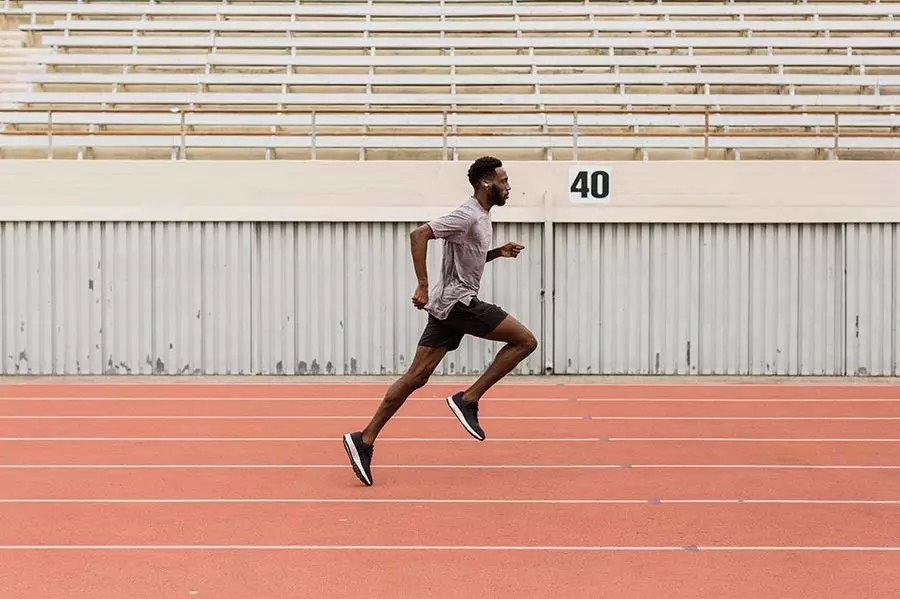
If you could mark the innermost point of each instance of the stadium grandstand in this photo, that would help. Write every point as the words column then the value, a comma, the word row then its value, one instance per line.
column 450, row 79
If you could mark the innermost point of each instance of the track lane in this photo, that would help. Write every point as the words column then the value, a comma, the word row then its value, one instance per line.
column 339, row 482
column 450, row 524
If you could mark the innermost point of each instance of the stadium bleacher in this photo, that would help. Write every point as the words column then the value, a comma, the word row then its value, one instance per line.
column 454, row 78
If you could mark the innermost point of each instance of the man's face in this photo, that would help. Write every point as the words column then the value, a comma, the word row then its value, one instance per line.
column 498, row 191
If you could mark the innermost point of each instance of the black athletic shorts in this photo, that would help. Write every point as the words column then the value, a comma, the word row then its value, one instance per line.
column 478, row 319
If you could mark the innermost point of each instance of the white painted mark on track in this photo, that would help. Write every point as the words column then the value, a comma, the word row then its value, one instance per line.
column 446, row 466
column 265, row 500
column 536, row 548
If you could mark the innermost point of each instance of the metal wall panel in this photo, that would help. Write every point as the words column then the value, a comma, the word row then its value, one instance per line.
column 774, row 299
column 321, row 298
column 625, row 258
column 576, row 315
column 373, row 260
column 724, row 314
column 602, row 306
column 821, row 304
column 870, row 299
column 720, row 299
column 674, row 299
column 77, row 298
column 895, row 302
column 226, row 345
column 27, row 298
column 127, row 291
column 334, row 298
column 275, row 309
column 178, row 298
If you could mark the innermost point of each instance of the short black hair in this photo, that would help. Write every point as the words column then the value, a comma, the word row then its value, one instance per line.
column 481, row 167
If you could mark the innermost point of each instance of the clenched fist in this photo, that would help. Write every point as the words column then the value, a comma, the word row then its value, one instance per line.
column 511, row 249
column 420, row 297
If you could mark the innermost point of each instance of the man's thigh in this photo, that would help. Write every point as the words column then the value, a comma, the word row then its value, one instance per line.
column 479, row 319
column 440, row 334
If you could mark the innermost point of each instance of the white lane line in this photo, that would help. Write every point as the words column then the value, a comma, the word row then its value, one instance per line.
column 298, row 439
column 446, row 466
column 360, row 417
column 302, row 500
column 330, row 548
column 795, row 548
column 291, row 439
column 554, row 548
column 486, row 399
column 259, row 399
column 753, row 439
column 444, row 439
column 538, row 418
column 750, row 418
column 737, row 400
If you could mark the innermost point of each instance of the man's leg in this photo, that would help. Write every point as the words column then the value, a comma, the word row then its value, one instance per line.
column 423, row 366
column 361, row 445
column 520, row 343
column 437, row 339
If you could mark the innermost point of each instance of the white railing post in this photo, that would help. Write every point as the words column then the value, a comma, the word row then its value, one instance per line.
column 312, row 134
column 50, row 135
column 575, row 135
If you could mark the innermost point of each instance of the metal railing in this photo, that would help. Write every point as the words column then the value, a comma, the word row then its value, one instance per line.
column 182, row 130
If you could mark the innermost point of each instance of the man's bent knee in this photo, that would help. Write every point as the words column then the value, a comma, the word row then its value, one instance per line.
column 526, row 342
column 529, row 343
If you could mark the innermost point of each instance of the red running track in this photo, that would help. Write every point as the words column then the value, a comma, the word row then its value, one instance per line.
column 632, row 491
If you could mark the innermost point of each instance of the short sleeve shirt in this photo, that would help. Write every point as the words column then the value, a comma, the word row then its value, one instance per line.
column 467, row 233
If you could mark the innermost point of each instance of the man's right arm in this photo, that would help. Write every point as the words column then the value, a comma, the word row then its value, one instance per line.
column 450, row 227
column 419, row 239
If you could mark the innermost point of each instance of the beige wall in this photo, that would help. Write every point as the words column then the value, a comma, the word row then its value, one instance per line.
column 688, row 191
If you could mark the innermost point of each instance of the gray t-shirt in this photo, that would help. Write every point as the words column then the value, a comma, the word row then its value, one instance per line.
column 467, row 233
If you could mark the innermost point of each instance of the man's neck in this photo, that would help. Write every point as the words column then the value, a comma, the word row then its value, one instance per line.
column 483, row 202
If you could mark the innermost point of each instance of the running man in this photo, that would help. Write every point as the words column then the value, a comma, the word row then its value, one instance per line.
column 454, row 310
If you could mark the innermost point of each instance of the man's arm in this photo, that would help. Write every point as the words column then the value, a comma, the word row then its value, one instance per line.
column 449, row 227
column 419, row 239
column 508, row 250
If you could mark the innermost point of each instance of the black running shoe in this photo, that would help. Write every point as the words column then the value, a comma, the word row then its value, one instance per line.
column 360, row 455
column 467, row 413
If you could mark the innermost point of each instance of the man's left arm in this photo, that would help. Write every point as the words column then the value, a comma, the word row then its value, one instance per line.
column 508, row 250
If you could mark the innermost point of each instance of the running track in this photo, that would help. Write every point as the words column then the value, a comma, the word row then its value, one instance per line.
column 625, row 491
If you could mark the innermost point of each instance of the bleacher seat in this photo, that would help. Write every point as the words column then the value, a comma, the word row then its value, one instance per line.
column 555, row 79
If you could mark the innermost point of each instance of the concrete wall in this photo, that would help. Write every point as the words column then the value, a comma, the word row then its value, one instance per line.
column 397, row 191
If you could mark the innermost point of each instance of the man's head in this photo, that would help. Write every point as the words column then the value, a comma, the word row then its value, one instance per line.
column 489, row 180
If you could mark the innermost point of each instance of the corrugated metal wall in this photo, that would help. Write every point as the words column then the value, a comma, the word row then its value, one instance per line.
column 871, row 328
column 334, row 298
column 727, row 299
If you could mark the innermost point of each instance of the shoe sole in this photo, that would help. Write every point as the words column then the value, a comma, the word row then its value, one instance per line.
column 350, row 448
column 462, row 419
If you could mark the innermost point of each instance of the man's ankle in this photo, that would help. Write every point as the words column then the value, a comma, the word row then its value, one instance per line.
column 470, row 397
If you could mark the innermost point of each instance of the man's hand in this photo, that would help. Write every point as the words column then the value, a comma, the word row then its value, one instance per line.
column 508, row 250
column 511, row 249
column 420, row 297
